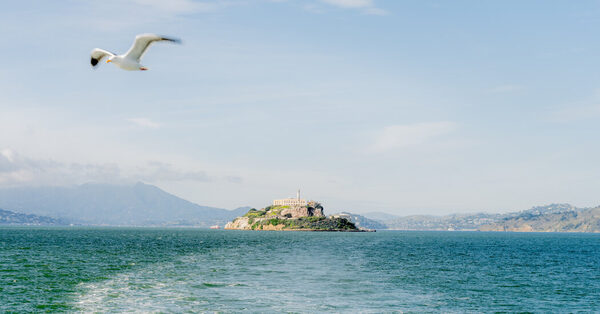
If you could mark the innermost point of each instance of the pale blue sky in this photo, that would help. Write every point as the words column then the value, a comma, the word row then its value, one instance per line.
column 397, row 106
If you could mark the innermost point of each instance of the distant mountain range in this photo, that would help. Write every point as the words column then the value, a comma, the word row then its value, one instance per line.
column 146, row 205
column 549, row 218
column 463, row 222
column 552, row 218
column 119, row 205
column 8, row 217
column 362, row 221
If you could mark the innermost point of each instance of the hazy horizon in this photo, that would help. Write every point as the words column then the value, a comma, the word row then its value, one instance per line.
column 365, row 105
column 328, row 211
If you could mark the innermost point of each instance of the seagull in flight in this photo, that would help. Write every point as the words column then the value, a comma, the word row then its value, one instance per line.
column 130, row 61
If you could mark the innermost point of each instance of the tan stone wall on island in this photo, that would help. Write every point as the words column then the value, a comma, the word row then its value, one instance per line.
column 290, row 202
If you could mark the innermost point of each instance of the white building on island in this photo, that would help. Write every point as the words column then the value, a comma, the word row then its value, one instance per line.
column 291, row 201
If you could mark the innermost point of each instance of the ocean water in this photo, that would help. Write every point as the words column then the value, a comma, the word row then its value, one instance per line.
column 179, row 270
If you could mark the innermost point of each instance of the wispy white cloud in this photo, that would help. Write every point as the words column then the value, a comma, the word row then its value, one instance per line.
column 508, row 88
column 350, row 3
column 144, row 122
column 114, row 15
column 160, row 171
column 575, row 112
column 16, row 169
column 376, row 11
column 367, row 6
column 180, row 6
column 6, row 156
column 403, row 136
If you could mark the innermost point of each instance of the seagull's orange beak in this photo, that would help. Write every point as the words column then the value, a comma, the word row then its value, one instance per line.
column 107, row 61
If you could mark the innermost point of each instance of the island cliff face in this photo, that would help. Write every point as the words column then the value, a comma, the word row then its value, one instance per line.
column 294, row 218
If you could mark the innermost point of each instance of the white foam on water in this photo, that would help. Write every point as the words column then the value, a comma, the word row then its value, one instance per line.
column 154, row 288
column 226, row 282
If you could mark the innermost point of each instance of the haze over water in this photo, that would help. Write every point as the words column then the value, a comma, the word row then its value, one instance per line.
column 117, row 269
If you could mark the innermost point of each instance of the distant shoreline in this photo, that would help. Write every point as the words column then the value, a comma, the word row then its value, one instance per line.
column 65, row 227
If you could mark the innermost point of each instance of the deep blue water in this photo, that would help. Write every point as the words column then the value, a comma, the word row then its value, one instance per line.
column 139, row 269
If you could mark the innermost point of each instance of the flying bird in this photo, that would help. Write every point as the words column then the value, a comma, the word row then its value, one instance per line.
column 130, row 61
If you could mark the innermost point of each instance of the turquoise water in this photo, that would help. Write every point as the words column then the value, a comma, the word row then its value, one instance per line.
column 129, row 269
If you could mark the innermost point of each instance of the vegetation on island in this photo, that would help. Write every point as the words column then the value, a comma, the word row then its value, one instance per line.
column 306, row 223
column 301, row 218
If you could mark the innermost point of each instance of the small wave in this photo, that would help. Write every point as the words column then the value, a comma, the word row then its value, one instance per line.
column 219, row 284
column 214, row 285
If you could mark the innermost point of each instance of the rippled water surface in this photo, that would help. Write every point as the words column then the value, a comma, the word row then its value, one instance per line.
column 135, row 269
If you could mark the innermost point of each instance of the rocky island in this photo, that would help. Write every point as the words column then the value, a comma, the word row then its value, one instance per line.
column 292, row 214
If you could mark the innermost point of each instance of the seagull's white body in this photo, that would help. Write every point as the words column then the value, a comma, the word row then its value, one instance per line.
column 130, row 60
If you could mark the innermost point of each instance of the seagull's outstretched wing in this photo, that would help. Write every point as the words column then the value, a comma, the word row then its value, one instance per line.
column 142, row 42
column 98, row 54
